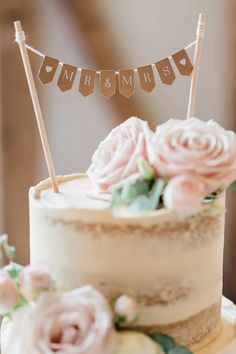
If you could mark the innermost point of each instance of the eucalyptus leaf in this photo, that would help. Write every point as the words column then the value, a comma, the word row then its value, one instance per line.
column 10, row 252
column 13, row 269
column 116, row 198
column 232, row 187
column 156, row 193
column 120, row 320
column 142, row 203
column 6, row 249
column 3, row 239
column 209, row 199
column 22, row 302
column 145, row 170
column 165, row 341
column 130, row 192
column 180, row 350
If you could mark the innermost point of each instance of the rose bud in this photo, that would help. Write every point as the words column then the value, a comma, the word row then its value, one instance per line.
column 126, row 307
column 33, row 281
column 185, row 194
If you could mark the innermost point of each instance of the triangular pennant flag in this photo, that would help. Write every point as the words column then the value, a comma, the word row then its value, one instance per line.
column 107, row 83
column 126, row 82
column 165, row 71
column 183, row 62
column 87, row 81
column 146, row 78
column 47, row 70
column 67, row 77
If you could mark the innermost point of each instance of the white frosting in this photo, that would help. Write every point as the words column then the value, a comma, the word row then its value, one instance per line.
column 126, row 262
column 73, row 194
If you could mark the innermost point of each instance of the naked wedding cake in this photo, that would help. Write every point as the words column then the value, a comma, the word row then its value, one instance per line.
column 128, row 258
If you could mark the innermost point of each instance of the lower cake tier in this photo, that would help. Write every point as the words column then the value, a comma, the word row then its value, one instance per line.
column 171, row 266
column 224, row 343
column 194, row 332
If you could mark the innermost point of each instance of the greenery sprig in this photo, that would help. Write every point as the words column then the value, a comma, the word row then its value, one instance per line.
column 146, row 193
column 168, row 344
column 140, row 196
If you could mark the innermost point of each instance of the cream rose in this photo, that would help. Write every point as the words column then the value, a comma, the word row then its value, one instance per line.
column 116, row 157
column 194, row 147
column 185, row 194
column 137, row 343
column 75, row 322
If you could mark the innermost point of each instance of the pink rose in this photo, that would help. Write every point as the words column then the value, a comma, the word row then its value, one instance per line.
column 33, row 281
column 9, row 293
column 127, row 307
column 185, row 194
column 116, row 157
column 75, row 322
column 194, row 147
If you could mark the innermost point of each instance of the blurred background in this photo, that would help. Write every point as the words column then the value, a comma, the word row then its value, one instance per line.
column 106, row 34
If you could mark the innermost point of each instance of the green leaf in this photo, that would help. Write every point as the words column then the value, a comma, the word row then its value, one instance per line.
column 120, row 320
column 13, row 269
column 10, row 252
column 232, row 187
column 22, row 302
column 116, row 198
column 142, row 203
column 180, row 350
column 3, row 239
column 156, row 193
column 165, row 341
column 145, row 169
column 209, row 199
column 130, row 192
column 6, row 249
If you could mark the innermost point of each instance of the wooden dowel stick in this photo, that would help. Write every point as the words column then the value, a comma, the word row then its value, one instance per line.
column 196, row 65
column 20, row 39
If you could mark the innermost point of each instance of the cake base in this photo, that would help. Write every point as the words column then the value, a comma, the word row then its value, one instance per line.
column 224, row 343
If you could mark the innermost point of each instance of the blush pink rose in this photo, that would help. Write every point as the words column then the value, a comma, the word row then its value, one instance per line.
column 194, row 147
column 33, row 281
column 9, row 293
column 75, row 322
column 116, row 157
column 185, row 194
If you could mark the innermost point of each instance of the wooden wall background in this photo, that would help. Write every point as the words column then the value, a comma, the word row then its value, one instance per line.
column 19, row 138
column 230, row 241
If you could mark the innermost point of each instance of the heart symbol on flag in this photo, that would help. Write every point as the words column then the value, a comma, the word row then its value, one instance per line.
column 49, row 69
column 183, row 61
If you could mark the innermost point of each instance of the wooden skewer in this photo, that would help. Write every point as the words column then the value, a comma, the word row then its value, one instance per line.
column 20, row 39
column 196, row 65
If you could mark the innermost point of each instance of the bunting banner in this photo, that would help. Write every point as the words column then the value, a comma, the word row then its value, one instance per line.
column 112, row 81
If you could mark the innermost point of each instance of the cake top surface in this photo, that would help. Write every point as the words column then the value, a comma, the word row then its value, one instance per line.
column 76, row 191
